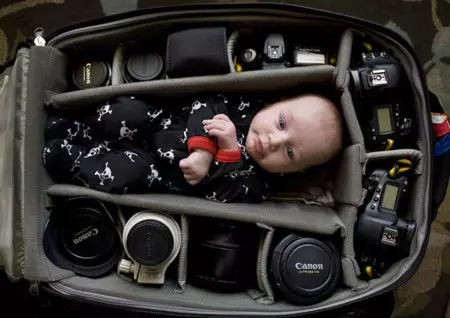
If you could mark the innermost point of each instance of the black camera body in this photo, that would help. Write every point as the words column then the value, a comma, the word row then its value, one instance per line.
column 379, row 93
column 379, row 227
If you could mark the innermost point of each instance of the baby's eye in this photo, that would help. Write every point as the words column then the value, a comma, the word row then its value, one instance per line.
column 282, row 123
column 289, row 152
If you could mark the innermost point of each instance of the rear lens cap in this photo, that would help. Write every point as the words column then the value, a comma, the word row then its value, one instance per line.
column 92, row 74
column 144, row 67
column 150, row 242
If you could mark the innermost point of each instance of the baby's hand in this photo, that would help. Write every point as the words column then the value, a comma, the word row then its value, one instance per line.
column 224, row 130
column 196, row 166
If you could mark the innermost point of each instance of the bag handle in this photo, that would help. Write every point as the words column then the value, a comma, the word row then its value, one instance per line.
column 441, row 166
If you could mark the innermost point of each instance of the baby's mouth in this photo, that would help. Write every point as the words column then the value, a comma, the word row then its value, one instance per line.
column 259, row 146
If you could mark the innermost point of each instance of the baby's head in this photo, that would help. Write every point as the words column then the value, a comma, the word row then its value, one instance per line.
column 295, row 134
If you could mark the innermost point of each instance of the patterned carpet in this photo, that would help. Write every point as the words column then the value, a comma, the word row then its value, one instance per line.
column 425, row 23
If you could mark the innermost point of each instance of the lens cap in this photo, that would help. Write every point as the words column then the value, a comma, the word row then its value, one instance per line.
column 81, row 236
column 85, row 236
column 305, row 270
column 143, row 67
column 150, row 242
column 92, row 74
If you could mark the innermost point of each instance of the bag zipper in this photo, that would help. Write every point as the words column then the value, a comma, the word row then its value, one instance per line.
column 39, row 39
column 132, row 18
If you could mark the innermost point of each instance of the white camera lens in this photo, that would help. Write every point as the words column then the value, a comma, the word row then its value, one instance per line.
column 152, row 239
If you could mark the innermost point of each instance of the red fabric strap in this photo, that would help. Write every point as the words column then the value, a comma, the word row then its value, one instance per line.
column 228, row 155
column 202, row 143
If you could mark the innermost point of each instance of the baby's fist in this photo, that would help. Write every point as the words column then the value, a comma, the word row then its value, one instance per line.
column 224, row 130
column 196, row 166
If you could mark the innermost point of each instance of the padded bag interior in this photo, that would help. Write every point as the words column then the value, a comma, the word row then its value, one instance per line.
column 47, row 86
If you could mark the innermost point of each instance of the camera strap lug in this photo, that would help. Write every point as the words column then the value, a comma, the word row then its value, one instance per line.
column 401, row 166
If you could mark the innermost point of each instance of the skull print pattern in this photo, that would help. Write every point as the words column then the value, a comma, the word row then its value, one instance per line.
column 105, row 175
column 129, row 146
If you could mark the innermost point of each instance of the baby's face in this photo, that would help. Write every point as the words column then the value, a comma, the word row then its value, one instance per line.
column 287, row 136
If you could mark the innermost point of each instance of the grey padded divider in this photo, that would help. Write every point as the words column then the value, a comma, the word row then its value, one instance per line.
column 46, row 74
column 414, row 155
column 10, row 229
column 350, row 267
column 115, row 290
column 290, row 215
column 267, row 296
column 347, row 183
column 348, row 110
column 257, row 81
column 183, row 254
column 343, row 58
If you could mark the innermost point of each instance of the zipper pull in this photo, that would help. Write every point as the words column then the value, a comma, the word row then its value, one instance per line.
column 34, row 288
column 39, row 37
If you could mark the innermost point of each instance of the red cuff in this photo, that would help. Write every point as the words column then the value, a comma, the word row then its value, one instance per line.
column 202, row 143
column 441, row 129
column 228, row 155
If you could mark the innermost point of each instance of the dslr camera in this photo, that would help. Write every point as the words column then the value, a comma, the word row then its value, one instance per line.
column 380, row 96
column 381, row 232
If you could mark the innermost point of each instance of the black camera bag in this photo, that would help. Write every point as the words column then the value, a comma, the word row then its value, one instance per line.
column 38, row 79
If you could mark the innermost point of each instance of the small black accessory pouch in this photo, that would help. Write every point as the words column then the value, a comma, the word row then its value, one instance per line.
column 196, row 52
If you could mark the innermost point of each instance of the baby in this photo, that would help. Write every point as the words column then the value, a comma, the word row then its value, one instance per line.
column 222, row 147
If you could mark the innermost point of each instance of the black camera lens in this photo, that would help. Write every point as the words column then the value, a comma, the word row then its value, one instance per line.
column 223, row 256
column 91, row 74
column 81, row 236
column 143, row 67
column 305, row 270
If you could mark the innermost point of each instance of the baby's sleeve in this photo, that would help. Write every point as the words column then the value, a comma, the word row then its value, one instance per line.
column 201, row 109
column 240, row 181
column 237, row 188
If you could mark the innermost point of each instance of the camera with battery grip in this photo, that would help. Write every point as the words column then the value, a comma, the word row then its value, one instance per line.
column 383, row 232
column 381, row 98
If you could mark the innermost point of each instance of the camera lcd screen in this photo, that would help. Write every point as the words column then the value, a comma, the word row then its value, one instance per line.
column 384, row 119
column 389, row 196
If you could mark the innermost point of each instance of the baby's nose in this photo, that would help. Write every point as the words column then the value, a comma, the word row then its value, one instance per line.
column 276, row 141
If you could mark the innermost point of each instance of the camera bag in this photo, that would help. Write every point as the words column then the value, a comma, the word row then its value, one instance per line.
column 38, row 79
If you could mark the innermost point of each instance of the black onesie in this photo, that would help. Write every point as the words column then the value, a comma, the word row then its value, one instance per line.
column 129, row 146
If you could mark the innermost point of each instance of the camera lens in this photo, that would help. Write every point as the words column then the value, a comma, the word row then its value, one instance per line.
column 81, row 236
column 143, row 67
column 150, row 242
column 223, row 256
column 305, row 270
column 92, row 74
column 85, row 236
column 151, row 239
